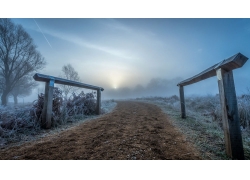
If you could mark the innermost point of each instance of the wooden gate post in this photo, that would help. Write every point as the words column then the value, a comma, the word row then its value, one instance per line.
column 182, row 101
column 98, row 103
column 230, row 116
column 47, row 107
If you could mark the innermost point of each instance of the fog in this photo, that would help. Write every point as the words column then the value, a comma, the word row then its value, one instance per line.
column 132, row 58
column 155, row 87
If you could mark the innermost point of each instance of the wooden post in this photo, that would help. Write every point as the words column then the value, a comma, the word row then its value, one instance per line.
column 230, row 116
column 98, row 103
column 47, row 107
column 182, row 101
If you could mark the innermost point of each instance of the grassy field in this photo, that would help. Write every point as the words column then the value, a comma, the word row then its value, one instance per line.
column 200, row 127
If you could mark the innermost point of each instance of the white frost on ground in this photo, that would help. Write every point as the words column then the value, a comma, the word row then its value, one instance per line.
column 11, row 111
column 108, row 105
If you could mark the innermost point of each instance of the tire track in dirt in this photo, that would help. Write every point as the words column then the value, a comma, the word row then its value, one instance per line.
column 134, row 130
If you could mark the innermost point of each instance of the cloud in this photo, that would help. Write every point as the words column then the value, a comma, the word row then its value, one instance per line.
column 84, row 43
column 136, row 33
column 109, row 50
column 115, row 24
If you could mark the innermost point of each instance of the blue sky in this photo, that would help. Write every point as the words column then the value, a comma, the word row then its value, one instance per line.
column 165, row 48
column 123, row 53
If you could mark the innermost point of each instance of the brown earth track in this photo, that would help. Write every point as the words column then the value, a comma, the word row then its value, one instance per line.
column 134, row 130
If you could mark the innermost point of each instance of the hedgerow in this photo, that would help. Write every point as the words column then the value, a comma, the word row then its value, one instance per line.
column 15, row 121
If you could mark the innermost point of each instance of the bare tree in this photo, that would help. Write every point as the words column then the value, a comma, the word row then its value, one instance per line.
column 1, row 84
column 23, row 88
column 18, row 56
column 69, row 73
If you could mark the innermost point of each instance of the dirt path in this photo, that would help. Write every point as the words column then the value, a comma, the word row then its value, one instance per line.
column 134, row 130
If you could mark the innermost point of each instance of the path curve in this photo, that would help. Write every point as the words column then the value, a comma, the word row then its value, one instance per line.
column 134, row 130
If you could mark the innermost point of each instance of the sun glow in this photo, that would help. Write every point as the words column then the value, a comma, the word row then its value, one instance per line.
column 116, row 79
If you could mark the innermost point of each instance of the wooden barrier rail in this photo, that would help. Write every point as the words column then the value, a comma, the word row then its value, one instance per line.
column 48, row 95
column 230, row 116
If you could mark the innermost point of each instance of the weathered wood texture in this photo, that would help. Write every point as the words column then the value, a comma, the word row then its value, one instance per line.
column 47, row 107
column 46, row 78
column 230, row 117
column 48, row 99
column 236, row 61
column 182, row 101
column 98, row 107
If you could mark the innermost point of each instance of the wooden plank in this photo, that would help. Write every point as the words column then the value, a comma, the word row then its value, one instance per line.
column 98, row 103
column 182, row 101
column 48, row 96
column 47, row 107
column 224, row 113
column 236, row 61
column 46, row 78
column 230, row 116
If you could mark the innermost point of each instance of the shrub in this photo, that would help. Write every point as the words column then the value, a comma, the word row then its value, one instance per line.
column 63, row 110
column 210, row 106
column 82, row 103
column 244, row 111
column 36, row 110
column 22, row 122
column 15, row 120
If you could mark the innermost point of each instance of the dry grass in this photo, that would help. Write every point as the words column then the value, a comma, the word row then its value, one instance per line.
column 22, row 122
column 203, row 124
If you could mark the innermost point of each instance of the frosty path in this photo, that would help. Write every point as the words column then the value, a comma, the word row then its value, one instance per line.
column 134, row 130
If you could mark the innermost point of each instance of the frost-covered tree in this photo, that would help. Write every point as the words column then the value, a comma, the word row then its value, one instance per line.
column 23, row 88
column 18, row 56
column 71, row 74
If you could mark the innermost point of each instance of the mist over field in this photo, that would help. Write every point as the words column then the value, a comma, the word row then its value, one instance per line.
column 138, row 62
column 132, row 58
column 155, row 87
